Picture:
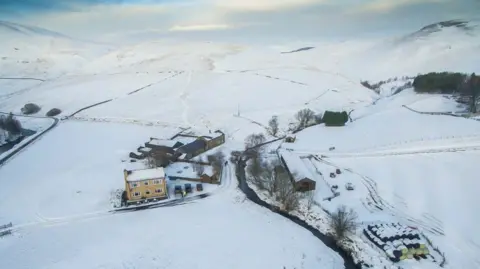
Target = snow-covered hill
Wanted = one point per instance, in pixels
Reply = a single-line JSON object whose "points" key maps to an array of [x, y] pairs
{"points": [[29, 51], [207, 86]]}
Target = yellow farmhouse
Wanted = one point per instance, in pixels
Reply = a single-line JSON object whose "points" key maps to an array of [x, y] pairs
{"points": [[145, 184]]}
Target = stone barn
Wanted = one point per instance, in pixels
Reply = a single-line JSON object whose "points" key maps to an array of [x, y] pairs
{"points": [[299, 175]]}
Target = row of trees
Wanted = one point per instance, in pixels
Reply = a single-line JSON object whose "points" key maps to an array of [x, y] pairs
{"points": [[307, 117], [10, 128], [272, 177], [467, 86]]}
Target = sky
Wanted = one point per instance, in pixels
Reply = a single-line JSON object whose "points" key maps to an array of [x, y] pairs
{"points": [[289, 19]]}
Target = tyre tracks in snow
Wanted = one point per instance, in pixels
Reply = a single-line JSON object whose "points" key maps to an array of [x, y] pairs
{"points": [[380, 204]]}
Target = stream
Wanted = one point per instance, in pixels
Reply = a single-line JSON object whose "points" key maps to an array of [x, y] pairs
{"points": [[327, 240]]}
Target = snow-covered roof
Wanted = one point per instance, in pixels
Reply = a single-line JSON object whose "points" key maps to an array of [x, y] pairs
{"points": [[145, 174], [295, 165], [162, 142], [185, 139], [144, 149], [186, 170]]}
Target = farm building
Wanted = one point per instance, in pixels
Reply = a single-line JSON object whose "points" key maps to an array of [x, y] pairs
{"points": [[193, 149], [190, 171], [145, 184], [299, 175], [164, 145], [145, 151], [216, 141]]}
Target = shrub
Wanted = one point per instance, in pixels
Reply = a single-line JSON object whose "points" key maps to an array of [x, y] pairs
{"points": [[273, 125], [53, 112], [30, 108], [331, 118], [343, 221], [304, 117]]}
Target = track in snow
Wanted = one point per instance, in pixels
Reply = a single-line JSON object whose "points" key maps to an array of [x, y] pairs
{"points": [[378, 203], [440, 149]]}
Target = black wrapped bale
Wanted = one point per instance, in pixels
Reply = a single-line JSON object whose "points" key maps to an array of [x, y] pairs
{"points": [[394, 259]]}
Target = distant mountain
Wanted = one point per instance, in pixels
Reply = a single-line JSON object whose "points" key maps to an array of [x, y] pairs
{"points": [[464, 27]]}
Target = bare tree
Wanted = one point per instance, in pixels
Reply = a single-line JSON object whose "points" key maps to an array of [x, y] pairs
{"points": [[470, 89], [220, 156], [273, 125], [216, 160], [310, 196], [343, 221], [286, 192], [252, 143], [271, 176], [150, 162], [157, 160], [256, 170], [254, 140], [199, 169], [304, 117]]}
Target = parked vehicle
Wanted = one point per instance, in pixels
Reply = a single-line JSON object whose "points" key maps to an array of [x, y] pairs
{"points": [[338, 171], [332, 175], [349, 186], [199, 187], [178, 189], [188, 187], [331, 148]]}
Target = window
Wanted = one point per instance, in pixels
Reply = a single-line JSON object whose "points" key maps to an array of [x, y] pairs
{"points": [[145, 183], [158, 191], [133, 185], [156, 181], [147, 192], [136, 194]]}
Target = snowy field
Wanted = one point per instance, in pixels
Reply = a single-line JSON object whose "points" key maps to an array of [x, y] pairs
{"points": [[436, 191], [394, 127], [396, 176], [62, 214], [57, 191]]}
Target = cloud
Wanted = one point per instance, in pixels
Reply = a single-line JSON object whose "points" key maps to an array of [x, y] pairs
{"points": [[96, 19], [200, 27], [264, 5], [384, 6]]}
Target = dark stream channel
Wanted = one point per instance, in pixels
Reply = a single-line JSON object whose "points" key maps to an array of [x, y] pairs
{"points": [[8, 146], [327, 240]]}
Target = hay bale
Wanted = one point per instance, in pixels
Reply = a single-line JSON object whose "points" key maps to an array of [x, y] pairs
{"points": [[30, 108], [53, 112], [397, 253]]}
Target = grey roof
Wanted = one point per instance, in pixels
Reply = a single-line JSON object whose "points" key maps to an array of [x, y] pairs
{"points": [[295, 165], [163, 143], [192, 147]]}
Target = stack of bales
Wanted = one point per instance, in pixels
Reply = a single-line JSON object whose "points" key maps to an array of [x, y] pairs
{"points": [[399, 242]]}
